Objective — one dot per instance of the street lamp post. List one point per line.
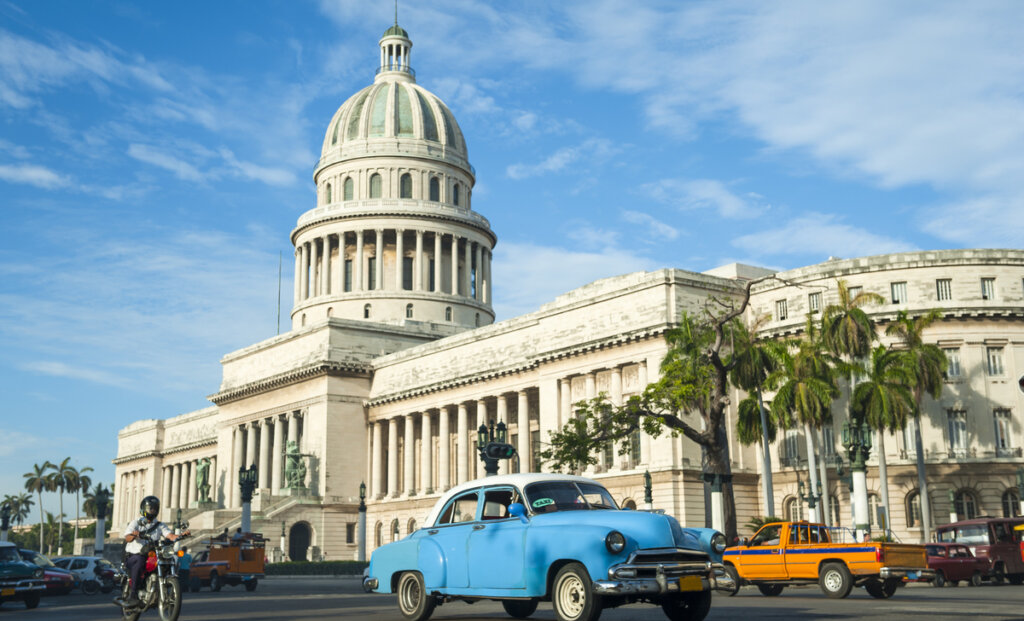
(284, 557)
(247, 481)
(361, 554)
(102, 500)
(1020, 484)
(857, 442)
(492, 446)
(810, 498)
(648, 492)
(5, 520)
(717, 505)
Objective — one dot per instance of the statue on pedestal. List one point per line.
(294, 467)
(203, 479)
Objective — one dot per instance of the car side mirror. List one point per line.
(518, 509)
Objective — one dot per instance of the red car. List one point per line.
(58, 581)
(954, 562)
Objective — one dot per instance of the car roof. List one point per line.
(520, 480)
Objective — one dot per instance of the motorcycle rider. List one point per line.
(143, 529)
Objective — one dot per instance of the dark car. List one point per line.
(58, 581)
(991, 539)
(19, 580)
(954, 562)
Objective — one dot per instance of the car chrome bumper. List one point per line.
(632, 579)
(911, 573)
(12, 588)
(369, 584)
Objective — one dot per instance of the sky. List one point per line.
(154, 158)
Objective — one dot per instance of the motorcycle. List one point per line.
(159, 586)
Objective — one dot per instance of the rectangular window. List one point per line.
(899, 292)
(988, 288)
(995, 361)
(634, 448)
(828, 441)
(348, 274)
(1002, 421)
(854, 291)
(472, 283)
(350, 533)
(535, 449)
(781, 313)
(433, 284)
(371, 273)
(407, 273)
(953, 362)
(957, 426)
(944, 289)
(514, 465)
(814, 302)
(910, 436)
(791, 447)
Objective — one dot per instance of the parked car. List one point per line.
(19, 579)
(526, 538)
(954, 562)
(233, 562)
(991, 539)
(58, 581)
(90, 568)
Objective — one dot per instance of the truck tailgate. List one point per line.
(904, 555)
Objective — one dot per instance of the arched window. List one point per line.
(794, 509)
(366, 312)
(629, 504)
(966, 505)
(328, 194)
(447, 313)
(412, 526)
(378, 535)
(303, 318)
(1011, 503)
(455, 194)
(394, 530)
(348, 188)
(435, 189)
(374, 185)
(330, 311)
(913, 509)
(406, 186)
(873, 504)
(408, 311)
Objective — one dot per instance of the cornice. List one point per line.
(287, 378)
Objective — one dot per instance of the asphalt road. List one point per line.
(308, 599)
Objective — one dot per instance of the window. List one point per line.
(408, 311)
(780, 310)
(794, 509)
(790, 448)
(303, 318)
(395, 534)
(371, 273)
(873, 504)
(328, 194)
(330, 311)
(348, 274)
(412, 526)
(435, 189)
(944, 289)
(455, 194)
(1002, 423)
(988, 288)
(375, 185)
(910, 437)
(899, 292)
(957, 425)
(461, 509)
(854, 291)
(966, 505)
(953, 361)
(348, 189)
(447, 313)
(837, 512)
(535, 447)
(350, 532)
(913, 509)
(634, 448)
(828, 441)
(814, 302)
(378, 534)
(433, 285)
(366, 312)
(477, 320)
(995, 360)
(405, 186)
(407, 273)
(496, 502)
(1011, 503)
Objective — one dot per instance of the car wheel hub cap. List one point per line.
(832, 581)
(572, 597)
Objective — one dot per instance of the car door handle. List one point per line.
(479, 527)
(433, 531)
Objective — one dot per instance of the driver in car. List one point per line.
(140, 531)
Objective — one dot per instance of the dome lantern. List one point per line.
(394, 53)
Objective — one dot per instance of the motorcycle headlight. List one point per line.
(718, 543)
(615, 542)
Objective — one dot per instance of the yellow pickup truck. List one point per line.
(790, 553)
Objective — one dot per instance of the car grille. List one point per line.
(667, 555)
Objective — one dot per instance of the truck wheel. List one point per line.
(835, 580)
(940, 579)
(770, 590)
(250, 585)
(687, 607)
(519, 608)
(414, 602)
(976, 579)
(735, 575)
(215, 582)
(31, 600)
(572, 595)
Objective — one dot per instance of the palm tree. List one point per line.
(78, 482)
(755, 361)
(928, 363)
(39, 481)
(21, 505)
(89, 506)
(51, 522)
(847, 332)
(63, 477)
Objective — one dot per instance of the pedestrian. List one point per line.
(184, 568)
(238, 536)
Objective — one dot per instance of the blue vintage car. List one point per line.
(528, 538)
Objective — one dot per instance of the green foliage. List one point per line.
(846, 328)
(322, 568)
(755, 523)
(884, 398)
(748, 423)
(806, 384)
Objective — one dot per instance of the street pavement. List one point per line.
(309, 599)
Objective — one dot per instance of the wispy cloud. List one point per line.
(161, 159)
(88, 374)
(706, 194)
(30, 174)
(590, 151)
(818, 234)
(655, 228)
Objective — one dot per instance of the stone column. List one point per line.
(455, 266)
(379, 260)
(304, 276)
(293, 428)
(250, 445)
(503, 418)
(357, 276)
(437, 261)
(377, 474)
(399, 258)
(175, 487)
(233, 492)
(190, 484)
(265, 453)
(417, 267)
(478, 275)
(616, 397)
(393, 456)
(487, 288)
(325, 269)
(298, 273)
(590, 385)
(165, 485)
(462, 455)
(523, 420)
(426, 454)
(565, 401)
(275, 457)
(467, 269)
(444, 480)
(314, 259)
(409, 482)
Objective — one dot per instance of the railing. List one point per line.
(396, 67)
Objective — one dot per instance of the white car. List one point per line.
(89, 568)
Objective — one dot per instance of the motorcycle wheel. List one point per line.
(169, 604)
(90, 587)
(128, 616)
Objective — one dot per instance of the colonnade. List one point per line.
(317, 275)
(130, 490)
(179, 484)
(455, 459)
(263, 442)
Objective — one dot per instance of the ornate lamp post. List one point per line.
(492, 446)
(361, 535)
(102, 500)
(284, 557)
(5, 520)
(247, 481)
(648, 494)
(857, 442)
(811, 499)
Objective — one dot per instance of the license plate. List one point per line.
(691, 583)
(6, 592)
(913, 575)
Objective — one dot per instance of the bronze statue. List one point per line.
(203, 479)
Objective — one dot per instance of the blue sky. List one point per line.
(154, 158)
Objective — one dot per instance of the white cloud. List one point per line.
(88, 374)
(160, 159)
(818, 234)
(464, 96)
(591, 150)
(267, 175)
(705, 194)
(989, 221)
(655, 228)
(29, 174)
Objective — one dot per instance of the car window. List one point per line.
(62, 563)
(1003, 533)
(9, 554)
(41, 560)
(935, 551)
(551, 496)
(977, 533)
(78, 564)
(767, 536)
(496, 502)
(460, 509)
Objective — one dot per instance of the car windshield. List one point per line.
(977, 533)
(552, 496)
(42, 561)
(8, 555)
(104, 563)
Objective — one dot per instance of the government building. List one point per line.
(393, 361)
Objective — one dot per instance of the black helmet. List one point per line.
(149, 507)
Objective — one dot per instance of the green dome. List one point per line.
(396, 30)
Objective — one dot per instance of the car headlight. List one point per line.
(718, 543)
(39, 573)
(615, 542)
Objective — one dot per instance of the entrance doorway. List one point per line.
(298, 542)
